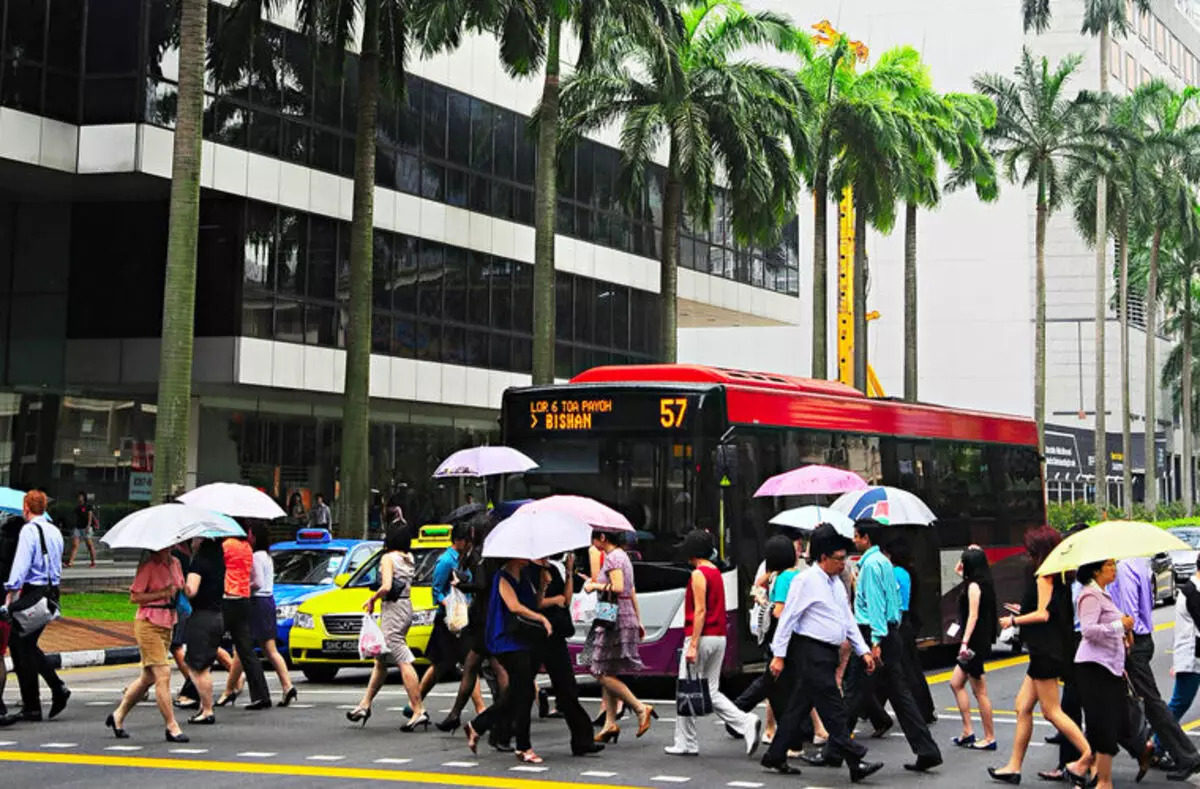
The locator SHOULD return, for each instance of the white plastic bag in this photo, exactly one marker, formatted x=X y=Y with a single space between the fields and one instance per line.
x=583 y=607
x=457 y=609
x=371 y=643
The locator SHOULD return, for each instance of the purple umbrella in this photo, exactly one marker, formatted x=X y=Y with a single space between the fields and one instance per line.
x=484 y=462
x=812 y=481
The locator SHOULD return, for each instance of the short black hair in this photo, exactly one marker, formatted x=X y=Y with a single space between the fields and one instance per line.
x=398 y=538
x=1075 y=529
x=262 y=536
x=869 y=528
x=826 y=542
x=1088 y=572
x=779 y=553
x=697 y=544
x=460 y=531
x=616 y=538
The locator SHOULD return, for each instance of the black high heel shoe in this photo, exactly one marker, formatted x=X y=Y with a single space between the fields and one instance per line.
x=413 y=723
x=227 y=699
x=449 y=725
x=181 y=737
x=359 y=715
x=288 y=697
x=118 y=732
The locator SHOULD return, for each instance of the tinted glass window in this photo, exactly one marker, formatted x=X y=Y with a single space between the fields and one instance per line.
x=322 y=258
x=564 y=327
x=459 y=142
x=454 y=305
x=523 y=298
x=500 y=273
x=381 y=284
x=290 y=253
x=405 y=297
x=477 y=285
x=66 y=35
x=584 y=297
x=25 y=35
x=432 y=274
x=434 y=134
x=481 y=136
x=526 y=155
x=504 y=148
x=259 y=249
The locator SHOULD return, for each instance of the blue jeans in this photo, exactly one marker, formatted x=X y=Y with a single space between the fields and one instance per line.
x=1186 y=686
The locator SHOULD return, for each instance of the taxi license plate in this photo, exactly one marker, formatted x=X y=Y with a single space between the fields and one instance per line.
x=341 y=647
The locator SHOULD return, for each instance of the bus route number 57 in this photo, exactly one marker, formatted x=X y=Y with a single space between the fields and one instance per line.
x=671 y=411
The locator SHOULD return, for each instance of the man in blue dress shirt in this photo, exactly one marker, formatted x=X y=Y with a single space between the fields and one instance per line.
x=815 y=622
x=877 y=612
x=36 y=569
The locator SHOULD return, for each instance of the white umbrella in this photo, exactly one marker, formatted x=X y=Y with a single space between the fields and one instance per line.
x=238 y=501
x=484 y=462
x=809 y=518
x=535 y=535
x=886 y=505
x=155 y=528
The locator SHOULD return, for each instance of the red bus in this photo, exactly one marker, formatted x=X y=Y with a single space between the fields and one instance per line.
x=676 y=447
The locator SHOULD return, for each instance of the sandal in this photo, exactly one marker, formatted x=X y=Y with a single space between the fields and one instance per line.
x=529 y=757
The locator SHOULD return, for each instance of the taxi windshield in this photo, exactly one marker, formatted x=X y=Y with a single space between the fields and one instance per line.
x=424 y=560
x=310 y=566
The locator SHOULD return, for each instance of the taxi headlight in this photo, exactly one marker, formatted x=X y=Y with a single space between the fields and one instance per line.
x=424 y=617
x=303 y=621
x=285 y=612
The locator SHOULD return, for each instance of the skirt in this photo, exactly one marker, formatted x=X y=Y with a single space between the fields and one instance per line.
x=262 y=619
x=1043 y=666
x=445 y=648
x=395 y=619
x=204 y=631
x=1105 y=707
x=610 y=651
x=154 y=643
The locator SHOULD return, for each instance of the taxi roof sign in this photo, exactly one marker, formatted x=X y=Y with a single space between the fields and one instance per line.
x=433 y=532
x=314 y=536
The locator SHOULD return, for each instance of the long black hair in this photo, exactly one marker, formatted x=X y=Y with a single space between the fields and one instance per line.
x=976 y=570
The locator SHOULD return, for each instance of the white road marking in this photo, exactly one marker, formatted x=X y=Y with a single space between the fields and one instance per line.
x=597 y=774
x=258 y=754
x=528 y=768
x=744 y=784
x=321 y=757
x=296 y=706
x=392 y=761
x=97 y=703
x=347 y=706
x=59 y=744
x=123 y=748
x=189 y=751
x=7 y=742
x=460 y=764
x=671 y=779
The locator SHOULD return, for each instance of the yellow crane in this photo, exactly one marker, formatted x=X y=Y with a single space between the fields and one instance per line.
x=827 y=36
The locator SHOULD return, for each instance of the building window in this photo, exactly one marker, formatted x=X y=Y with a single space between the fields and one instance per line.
x=1144 y=26
x=1145 y=75
x=1160 y=39
x=1114 y=60
x=1130 y=72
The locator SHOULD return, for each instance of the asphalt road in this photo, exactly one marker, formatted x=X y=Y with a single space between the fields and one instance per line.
x=312 y=744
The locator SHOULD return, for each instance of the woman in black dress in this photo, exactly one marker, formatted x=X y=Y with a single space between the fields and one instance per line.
x=978 y=628
x=1046 y=617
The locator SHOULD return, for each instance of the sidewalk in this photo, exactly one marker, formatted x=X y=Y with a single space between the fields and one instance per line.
x=74 y=643
x=106 y=576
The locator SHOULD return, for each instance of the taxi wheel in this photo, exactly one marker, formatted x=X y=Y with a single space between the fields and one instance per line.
x=319 y=673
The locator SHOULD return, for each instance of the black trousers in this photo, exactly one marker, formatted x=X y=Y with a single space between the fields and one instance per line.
x=912 y=669
x=236 y=612
x=515 y=702
x=809 y=680
x=1162 y=722
x=891 y=677
x=553 y=656
x=1072 y=704
x=29 y=663
x=762 y=688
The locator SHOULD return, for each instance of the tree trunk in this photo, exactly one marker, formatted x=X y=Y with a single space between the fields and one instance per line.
x=356 y=405
x=669 y=276
x=1102 y=306
x=1039 y=331
x=820 y=339
x=910 y=302
x=179 y=289
x=1186 y=466
x=860 y=298
x=1126 y=420
x=546 y=213
x=1151 y=485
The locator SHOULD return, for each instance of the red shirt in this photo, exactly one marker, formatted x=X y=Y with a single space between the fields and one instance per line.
x=714 y=604
x=239 y=560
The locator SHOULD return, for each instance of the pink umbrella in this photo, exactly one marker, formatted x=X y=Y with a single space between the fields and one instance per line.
x=595 y=514
x=812 y=481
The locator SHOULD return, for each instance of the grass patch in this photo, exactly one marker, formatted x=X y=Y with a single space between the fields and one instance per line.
x=102 y=606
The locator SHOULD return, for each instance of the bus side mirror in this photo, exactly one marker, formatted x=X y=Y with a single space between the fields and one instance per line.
x=341 y=580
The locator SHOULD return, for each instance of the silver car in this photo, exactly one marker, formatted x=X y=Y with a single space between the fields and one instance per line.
x=1185 y=561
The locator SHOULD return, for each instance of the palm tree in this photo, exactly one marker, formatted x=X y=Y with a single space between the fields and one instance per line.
x=179 y=288
x=1038 y=132
x=714 y=109
x=1181 y=284
x=954 y=133
x=385 y=27
x=1103 y=19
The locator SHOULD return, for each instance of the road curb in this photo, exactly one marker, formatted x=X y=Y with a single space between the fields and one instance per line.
x=113 y=656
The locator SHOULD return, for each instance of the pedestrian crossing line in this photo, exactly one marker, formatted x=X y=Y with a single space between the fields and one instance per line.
x=460 y=764
x=189 y=751
x=671 y=779
x=362 y=774
x=597 y=774
x=321 y=757
x=257 y=754
x=296 y=706
x=126 y=748
x=6 y=743
x=60 y=745
x=528 y=768
x=392 y=761
x=744 y=784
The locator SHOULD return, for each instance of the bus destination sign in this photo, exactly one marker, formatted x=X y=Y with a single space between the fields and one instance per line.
x=542 y=414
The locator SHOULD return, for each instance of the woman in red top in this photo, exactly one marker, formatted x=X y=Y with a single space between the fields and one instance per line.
x=239 y=563
x=704 y=654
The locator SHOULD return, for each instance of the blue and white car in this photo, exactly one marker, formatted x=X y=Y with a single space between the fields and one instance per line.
x=309 y=565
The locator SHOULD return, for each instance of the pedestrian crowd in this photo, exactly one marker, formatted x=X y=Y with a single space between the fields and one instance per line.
x=841 y=641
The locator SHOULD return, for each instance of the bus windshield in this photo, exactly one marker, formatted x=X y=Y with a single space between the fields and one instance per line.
x=650 y=481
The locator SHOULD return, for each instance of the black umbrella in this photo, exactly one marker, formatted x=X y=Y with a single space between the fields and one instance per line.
x=465 y=511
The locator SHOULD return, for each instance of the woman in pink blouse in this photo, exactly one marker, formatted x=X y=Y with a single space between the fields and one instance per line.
x=158 y=581
x=1100 y=671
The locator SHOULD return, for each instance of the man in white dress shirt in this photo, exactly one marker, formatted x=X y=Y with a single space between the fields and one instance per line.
x=816 y=620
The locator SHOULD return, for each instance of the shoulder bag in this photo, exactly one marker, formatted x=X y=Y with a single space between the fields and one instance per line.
x=37 y=608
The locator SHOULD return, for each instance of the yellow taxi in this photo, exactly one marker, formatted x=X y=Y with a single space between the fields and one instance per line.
x=324 y=636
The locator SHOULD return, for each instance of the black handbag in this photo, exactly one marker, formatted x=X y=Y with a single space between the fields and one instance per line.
x=525 y=629
x=692 y=699
x=1139 y=727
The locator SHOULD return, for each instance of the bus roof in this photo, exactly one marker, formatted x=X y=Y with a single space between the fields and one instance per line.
x=788 y=401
